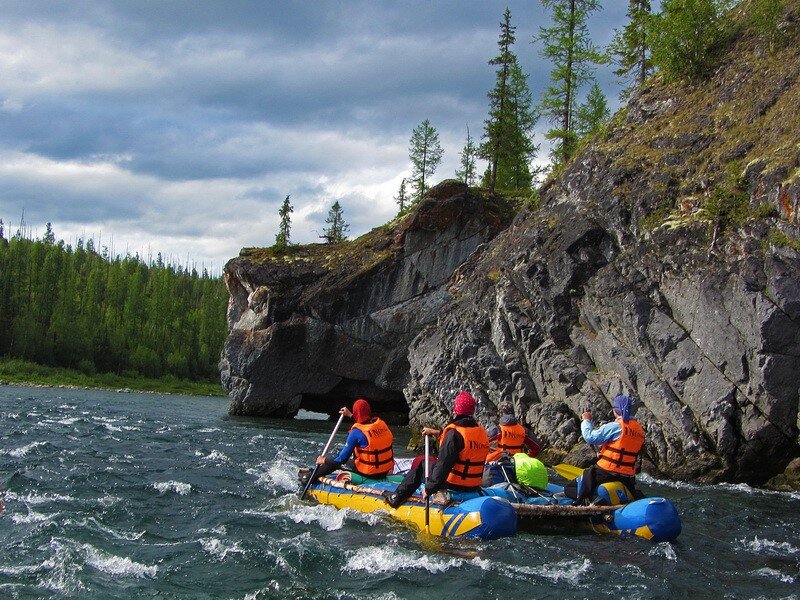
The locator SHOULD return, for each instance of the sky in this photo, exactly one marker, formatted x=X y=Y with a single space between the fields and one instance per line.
x=179 y=126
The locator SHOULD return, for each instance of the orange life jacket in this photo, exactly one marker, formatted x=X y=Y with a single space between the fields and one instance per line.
x=377 y=458
x=512 y=440
x=620 y=455
x=468 y=470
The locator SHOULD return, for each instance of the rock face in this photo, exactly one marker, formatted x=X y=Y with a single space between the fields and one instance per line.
x=325 y=324
x=662 y=262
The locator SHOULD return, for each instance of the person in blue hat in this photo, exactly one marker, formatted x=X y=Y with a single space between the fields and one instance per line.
x=620 y=443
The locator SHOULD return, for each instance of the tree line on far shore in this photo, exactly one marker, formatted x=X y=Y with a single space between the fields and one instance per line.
x=80 y=308
x=682 y=42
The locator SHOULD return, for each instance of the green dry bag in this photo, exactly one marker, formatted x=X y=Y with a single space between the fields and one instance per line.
x=530 y=471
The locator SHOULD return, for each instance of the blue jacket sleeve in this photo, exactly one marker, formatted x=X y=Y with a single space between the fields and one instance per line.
x=354 y=438
x=605 y=433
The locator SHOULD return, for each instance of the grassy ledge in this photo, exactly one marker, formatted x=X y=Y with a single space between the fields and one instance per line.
x=20 y=372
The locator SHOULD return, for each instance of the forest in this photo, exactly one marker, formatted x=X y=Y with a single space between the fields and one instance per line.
x=81 y=309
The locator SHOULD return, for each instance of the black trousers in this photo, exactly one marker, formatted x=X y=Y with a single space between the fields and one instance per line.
x=594 y=476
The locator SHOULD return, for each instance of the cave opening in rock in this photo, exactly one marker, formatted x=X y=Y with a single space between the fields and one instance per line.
x=390 y=405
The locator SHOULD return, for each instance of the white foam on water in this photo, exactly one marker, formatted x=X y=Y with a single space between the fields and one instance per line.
x=175 y=486
x=208 y=430
x=116 y=565
x=62 y=568
x=36 y=499
x=215 y=456
x=105 y=529
x=24 y=450
x=328 y=517
x=69 y=421
x=255 y=439
x=219 y=549
x=281 y=474
x=33 y=517
x=565 y=571
x=760 y=546
x=773 y=574
x=664 y=550
x=390 y=559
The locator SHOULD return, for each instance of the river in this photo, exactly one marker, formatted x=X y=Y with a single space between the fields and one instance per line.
x=138 y=496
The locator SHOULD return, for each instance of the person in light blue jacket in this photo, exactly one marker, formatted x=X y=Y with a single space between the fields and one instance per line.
x=619 y=445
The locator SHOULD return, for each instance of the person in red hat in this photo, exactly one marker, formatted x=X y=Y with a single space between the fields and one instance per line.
x=369 y=443
x=463 y=446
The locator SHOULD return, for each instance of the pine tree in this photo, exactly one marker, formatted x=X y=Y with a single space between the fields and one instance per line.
x=766 y=16
x=49 y=236
x=402 y=199
x=468 y=156
x=498 y=126
x=514 y=166
x=568 y=46
x=336 y=231
x=683 y=36
x=282 y=241
x=631 y=47
x=593 y=113
x=425 y=153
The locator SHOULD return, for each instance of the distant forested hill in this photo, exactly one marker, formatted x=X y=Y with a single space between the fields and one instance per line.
x=75 y=308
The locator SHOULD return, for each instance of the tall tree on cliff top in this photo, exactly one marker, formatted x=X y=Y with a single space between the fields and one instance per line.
x=568 y=46
x=336 y=231
x=591 y=115
x=507 y=138
x=684 y=35
x=469 y=153
x=402 y=199
x=425 y=153
x=630 y=47
x=282 y=238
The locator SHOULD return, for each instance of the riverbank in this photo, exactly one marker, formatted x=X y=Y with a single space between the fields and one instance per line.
x=24 y=373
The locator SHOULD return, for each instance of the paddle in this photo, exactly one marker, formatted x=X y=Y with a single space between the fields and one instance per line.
x=324 y=452
x=427 y=496
x=568 y=471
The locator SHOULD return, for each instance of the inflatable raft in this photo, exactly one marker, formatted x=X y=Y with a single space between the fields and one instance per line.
x=468 y=516
x=654 y=519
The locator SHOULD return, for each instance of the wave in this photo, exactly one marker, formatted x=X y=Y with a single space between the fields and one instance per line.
x=773 y=574
x=760 y=546
x=24 y=450
x=219 y=549
x=727 y=487
x=215 y=456
x=117 y=565
x=390 y=559
x=175 y=486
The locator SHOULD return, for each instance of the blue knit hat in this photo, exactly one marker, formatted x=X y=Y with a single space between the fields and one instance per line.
x=623 y=405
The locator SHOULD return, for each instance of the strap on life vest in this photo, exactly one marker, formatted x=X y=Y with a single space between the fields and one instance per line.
x=378 y=456
x=468 y=470
x=620 y=455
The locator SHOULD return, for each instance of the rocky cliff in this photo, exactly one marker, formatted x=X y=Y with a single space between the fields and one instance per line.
x=662 y=262
x=318 y=325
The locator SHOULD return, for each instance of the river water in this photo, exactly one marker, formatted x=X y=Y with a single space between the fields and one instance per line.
x=139 y=496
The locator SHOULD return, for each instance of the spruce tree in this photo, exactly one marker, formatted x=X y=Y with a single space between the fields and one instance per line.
x=402 y=199
x=282 y=238
x=593 y=113
x=683 y=37
x=336 y=231
x=425 y=153
x=498 y=126
x=568 y=45
x=766 y=16
x=468 y=156
x=49 y=236
x=514 y=166
x=630 y=47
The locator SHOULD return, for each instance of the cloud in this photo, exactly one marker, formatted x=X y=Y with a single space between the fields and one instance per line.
x=182 y=126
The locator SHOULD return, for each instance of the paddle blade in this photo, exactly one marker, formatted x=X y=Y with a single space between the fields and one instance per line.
x=568 y=471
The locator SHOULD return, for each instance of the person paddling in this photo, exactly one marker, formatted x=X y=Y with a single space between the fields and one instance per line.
x=511 y=436
x=463 y=447
x=620 y=443
x=369 y=442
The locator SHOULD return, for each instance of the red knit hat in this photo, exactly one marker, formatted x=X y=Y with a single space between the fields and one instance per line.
x=464 y=404
x=361 y=411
